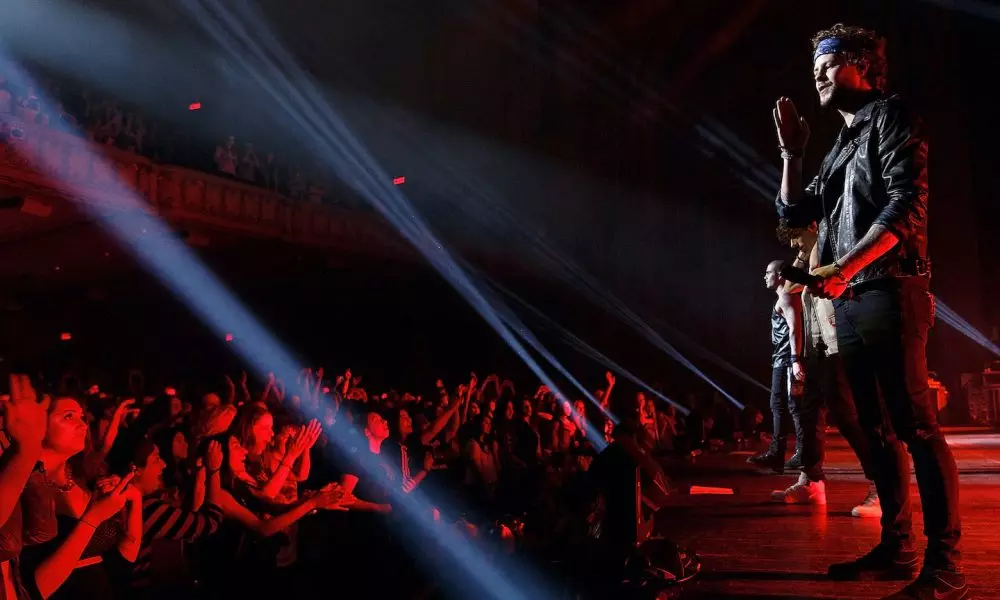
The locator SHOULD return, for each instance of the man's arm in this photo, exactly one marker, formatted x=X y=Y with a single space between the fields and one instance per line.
x=902 y=152
x=790 y=307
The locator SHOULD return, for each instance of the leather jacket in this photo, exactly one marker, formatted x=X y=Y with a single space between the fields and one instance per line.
x=875 y=173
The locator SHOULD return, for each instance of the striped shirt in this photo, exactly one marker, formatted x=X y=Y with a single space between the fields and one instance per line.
x=162 y=520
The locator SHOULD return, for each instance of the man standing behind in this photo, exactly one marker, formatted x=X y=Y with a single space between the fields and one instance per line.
x=787 y=371
x=826 y=382
x=870 y=198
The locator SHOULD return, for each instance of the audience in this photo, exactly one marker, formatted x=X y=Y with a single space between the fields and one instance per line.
x=108 y=122
x=172 y=493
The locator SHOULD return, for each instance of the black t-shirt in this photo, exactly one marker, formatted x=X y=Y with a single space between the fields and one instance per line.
x=376 y=475
x=406 y=459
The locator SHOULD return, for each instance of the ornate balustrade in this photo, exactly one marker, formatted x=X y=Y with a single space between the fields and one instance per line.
x=42 y=161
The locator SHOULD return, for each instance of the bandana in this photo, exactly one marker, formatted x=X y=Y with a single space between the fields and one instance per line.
x=828 y=46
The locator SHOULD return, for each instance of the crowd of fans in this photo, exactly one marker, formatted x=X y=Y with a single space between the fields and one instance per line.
x=140 y=496
x=107 y=121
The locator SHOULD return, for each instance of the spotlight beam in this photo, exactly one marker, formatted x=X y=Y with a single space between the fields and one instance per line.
x=584 y=348
x=130 y=221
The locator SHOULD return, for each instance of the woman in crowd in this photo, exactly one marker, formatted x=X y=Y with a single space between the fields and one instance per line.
x=84 y=531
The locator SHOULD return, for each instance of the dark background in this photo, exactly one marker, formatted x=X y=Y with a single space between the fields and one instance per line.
x=582 y=120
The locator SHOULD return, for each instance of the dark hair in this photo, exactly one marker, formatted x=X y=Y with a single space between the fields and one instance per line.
x=243 y=427
x=861 y=47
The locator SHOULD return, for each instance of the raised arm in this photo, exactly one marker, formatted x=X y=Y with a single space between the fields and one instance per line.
x=53 y=571
x=25 y=420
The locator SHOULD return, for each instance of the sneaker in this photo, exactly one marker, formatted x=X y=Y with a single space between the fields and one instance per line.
x=882 y=563
x=795 y=462
x=769 y=459
x=803 y=492
x=934 y=585
x=871 y=508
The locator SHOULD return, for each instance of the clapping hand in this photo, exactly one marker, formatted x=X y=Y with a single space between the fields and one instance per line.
x=303 y=440
x=213 y=456
x=109 y=499
x=24 y=417
x=330 y=497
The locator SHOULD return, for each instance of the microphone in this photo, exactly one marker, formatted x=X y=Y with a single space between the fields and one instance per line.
x=797 y=275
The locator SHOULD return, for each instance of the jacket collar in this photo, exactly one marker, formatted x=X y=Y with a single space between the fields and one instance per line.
x=864 y=114
x=861 y=117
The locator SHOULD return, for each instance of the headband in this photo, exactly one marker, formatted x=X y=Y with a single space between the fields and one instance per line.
x=830 y=45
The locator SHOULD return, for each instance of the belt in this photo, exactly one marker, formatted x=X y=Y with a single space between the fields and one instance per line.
x=882 y=284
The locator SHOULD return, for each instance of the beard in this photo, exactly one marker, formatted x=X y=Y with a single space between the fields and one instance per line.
x=838 y=97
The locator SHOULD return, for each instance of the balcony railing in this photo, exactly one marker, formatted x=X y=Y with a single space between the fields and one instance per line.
x=40 y=160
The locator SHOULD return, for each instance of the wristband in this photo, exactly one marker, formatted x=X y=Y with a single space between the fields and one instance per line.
x=789 y=153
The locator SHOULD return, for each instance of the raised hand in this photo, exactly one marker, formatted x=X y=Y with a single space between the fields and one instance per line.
x=213 y=456
x=125 y=408
x=106 y=504
x=792 y=129
x=304 y=439
x=610 y=377
x=25 y=418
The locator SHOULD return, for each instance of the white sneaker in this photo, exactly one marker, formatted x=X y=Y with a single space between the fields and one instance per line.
x=803 y=492
x=871 y=508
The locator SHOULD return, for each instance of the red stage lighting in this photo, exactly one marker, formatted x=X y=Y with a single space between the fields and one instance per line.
x=65 y=336
x=399 y=180
x=194 y=106
x=229 y=337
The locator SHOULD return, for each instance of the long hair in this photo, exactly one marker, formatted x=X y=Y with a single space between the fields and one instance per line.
x=243 y=427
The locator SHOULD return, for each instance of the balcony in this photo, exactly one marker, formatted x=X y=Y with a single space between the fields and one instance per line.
x=38 y=162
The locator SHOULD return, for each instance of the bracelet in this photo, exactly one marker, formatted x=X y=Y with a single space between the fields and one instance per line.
x=795 y=359
x=88 y=524
x=789 y=154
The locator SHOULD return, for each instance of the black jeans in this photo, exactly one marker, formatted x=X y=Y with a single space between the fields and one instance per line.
x=779 y=408
x=882 y=333
x=827 y=375
x=805 y=413
x=808 y=419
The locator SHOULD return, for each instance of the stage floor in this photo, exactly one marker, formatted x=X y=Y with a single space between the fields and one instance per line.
x=752 y=548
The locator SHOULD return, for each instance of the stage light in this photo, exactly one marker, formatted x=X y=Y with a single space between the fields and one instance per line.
x=170 y=391
x=194 y=106
x=229 y=337
x=65 y=336
x=398 y=180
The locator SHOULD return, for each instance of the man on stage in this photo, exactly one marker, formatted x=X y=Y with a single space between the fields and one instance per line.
x=826 y=382
x=787 y=387
x=870 y=198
